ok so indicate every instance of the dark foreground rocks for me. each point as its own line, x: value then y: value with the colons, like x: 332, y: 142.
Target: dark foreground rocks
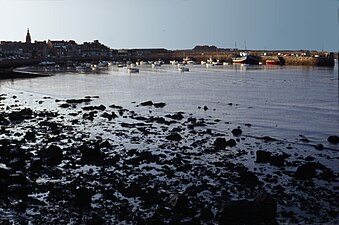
x: 262, y: 210
x: 92, y: 164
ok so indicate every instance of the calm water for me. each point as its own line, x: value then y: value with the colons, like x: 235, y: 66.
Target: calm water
x: 281, y: 102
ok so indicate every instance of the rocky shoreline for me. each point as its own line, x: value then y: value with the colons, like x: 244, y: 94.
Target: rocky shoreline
x: 86, y: 163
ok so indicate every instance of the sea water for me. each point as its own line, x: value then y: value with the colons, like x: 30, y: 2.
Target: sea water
x: 282, y: 102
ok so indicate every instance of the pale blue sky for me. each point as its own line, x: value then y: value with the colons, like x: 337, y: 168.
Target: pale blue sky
x: 177, y: 24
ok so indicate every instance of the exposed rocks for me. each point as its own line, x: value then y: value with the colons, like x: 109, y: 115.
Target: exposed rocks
x: 174, y: 137
x: 91, y: 155
x: 319, y: 147
x: 78, y: 101
x: 231, y: 143
x: 176, y: 116
x: 237, y: 132
x: 147, y: 103
x: 313, y: 169
x: 163, y: 168
x: 267, y: 157
x: 52, y: 155
x: 21, y: 115
x: 156, y: 105
x: 220, y: 144
x: 100, y: 107
x: 159, y: 105
x: 109, y: 116
x: 262, y: 210
x: 83, y: 198
x: 333, y: 139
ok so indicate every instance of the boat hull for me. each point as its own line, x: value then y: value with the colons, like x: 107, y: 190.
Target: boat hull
x: 272, y: 62
x: 246, y: 60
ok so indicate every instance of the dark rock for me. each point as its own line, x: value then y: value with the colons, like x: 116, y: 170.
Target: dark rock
x: 95, y: 219
x: 52, y: 155
x: 220, y: 144
x: 91, y: 155
x: 89, y: 116
x: 147, y: 103
x: 116, y: 106
x: 237, y: 132
x: 205, y: 108
x: 174, y: 137
x: 78, y: 101
x: 333, y: 139
x: 267, y: 157
x: 109, y: 116
x: 313, y: 169
x: 65, y: 105
x: 263, y: 156
x: 21, y: 115
x: 3, y: 189
x: 177, y: 116
x: 17, y: 178
x: 30, y: 135
x: 309, y: 158
x: 231, y: 143
x: 319, y: 147
x: 18, y: 190
x: 4, y: 172
x: 206, y: 214
x: 262, y: 210
x: 267, y: 139
x: 179, y: 202
x: 159, y: 105
x: 100, y: 107
x: 248, y: 178
x: 105, y: 144
x: 83, y: 198
x: 278, y: 160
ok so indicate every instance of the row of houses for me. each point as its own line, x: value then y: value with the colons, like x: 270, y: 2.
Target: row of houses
x: 58, y: 49
x: 52, y: 49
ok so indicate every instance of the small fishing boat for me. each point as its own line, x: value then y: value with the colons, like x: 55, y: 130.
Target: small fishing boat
x: 132, y: 70
x: 244, y: 58
x: 183, y: 69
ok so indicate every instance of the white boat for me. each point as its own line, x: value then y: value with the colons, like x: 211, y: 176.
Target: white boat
x: 174, y: 62
x: 209, y: 65
x: 217, y: 63
x: 191, y: 62
x: 156, y: 64
x: 85, y: 67
x: 203, y: 62
x: 183, y: 69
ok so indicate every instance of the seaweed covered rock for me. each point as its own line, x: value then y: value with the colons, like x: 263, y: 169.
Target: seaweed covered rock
x: 262, y: 210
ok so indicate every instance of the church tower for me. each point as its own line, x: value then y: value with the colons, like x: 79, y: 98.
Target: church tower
x: 28, y: 37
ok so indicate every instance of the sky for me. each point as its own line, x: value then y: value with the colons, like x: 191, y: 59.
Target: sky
x: 177, y: 24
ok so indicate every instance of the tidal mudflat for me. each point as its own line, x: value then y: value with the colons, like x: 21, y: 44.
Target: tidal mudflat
x: 212, y: 146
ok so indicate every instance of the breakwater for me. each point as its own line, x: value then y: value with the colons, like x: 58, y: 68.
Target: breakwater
x: 285, y: 58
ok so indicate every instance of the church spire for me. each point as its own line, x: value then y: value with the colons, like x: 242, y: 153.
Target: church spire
x: 28, y: 37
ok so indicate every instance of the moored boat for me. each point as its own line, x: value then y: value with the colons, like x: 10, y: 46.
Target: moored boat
x: 183, y: 69
x: 244, y: 58
x: 272, y: 62
x: 132, y: 70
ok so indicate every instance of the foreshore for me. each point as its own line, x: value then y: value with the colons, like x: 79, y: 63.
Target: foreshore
x: 165, y: 168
